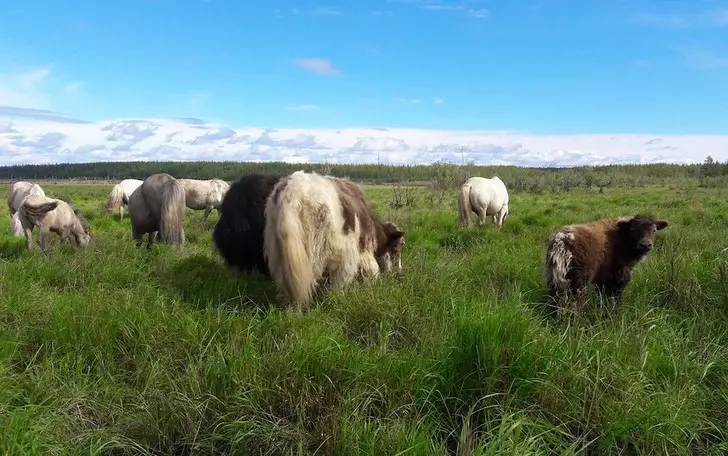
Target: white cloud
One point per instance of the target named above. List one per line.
(25, 89)
(43, 138)
(408, 100)
(694, 19)
(321, 67)
(437, 100)
(73, 88)
(199, 98)
(703, 58)
(306, 107)
(468, 7)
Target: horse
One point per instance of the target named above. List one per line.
(484, 197)
(157, 207)
(238, 234)
(16, 195)
(320, 226)
(119, 196)
(204, 194)
(56, 215)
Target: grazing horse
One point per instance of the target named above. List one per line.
(157, 207)
(322, 226)
(16, 195)
(484, 197)
(50, 214)
(601, 253)
(119, 196)
(238, 234)
(204, 194)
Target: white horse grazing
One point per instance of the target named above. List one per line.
(484, 197)
(50, 214)
(204, 194)
(119, 196)
(18, 192)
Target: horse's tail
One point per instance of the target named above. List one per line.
(35, 213)
(285, 241)
(171, 226)
(16, 227)
(464, 207)
(116, 200)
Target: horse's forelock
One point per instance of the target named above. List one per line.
(81, 218)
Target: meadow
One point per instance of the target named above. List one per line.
(115, 350)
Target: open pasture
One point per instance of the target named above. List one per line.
(114, 350)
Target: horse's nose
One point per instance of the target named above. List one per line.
(646, 245)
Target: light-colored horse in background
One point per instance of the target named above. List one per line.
(484, 197)
(18, 192)
(119, 196)
(157, 207)
(50, 214)
(204, 194)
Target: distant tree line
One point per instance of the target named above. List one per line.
(439, 175)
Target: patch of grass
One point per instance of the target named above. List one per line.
(114, 350)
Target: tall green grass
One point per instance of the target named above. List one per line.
(115, 350)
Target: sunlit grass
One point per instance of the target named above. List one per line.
(116, 350)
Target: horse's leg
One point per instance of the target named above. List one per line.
(369, 267)
(208, 209)
(481, 216)
(43, 238)
(29, 237)
(65, 235)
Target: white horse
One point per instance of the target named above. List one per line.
(52, 215)
(17, 194)
(484, 197)
(204, 194)
(119, 196)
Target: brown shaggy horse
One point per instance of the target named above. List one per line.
(158, 207)
(323, 227)
(603, 253)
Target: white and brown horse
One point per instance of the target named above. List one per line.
(204, 194)
(321, 226)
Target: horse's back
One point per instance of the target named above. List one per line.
(129, 185)
(489, 192)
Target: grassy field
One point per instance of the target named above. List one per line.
(118, 351)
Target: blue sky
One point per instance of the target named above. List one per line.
(542, 66)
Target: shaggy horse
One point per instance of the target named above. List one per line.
(484, 197)
(238, 234)
(602, 253)
(50, 214)
(157, 207)
(16, 195)
(322, 226)
(204, 194)
(119, 196)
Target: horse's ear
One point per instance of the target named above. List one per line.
(661, 224)
(624, 223)
(395, 235)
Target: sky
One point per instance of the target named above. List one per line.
(528, 82)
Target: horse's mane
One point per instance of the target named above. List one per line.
(81, 218)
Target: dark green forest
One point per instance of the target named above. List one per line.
(708, 173)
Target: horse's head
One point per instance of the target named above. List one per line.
(84, 240)
(389, 254)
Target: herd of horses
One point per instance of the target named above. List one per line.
(310, 232)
